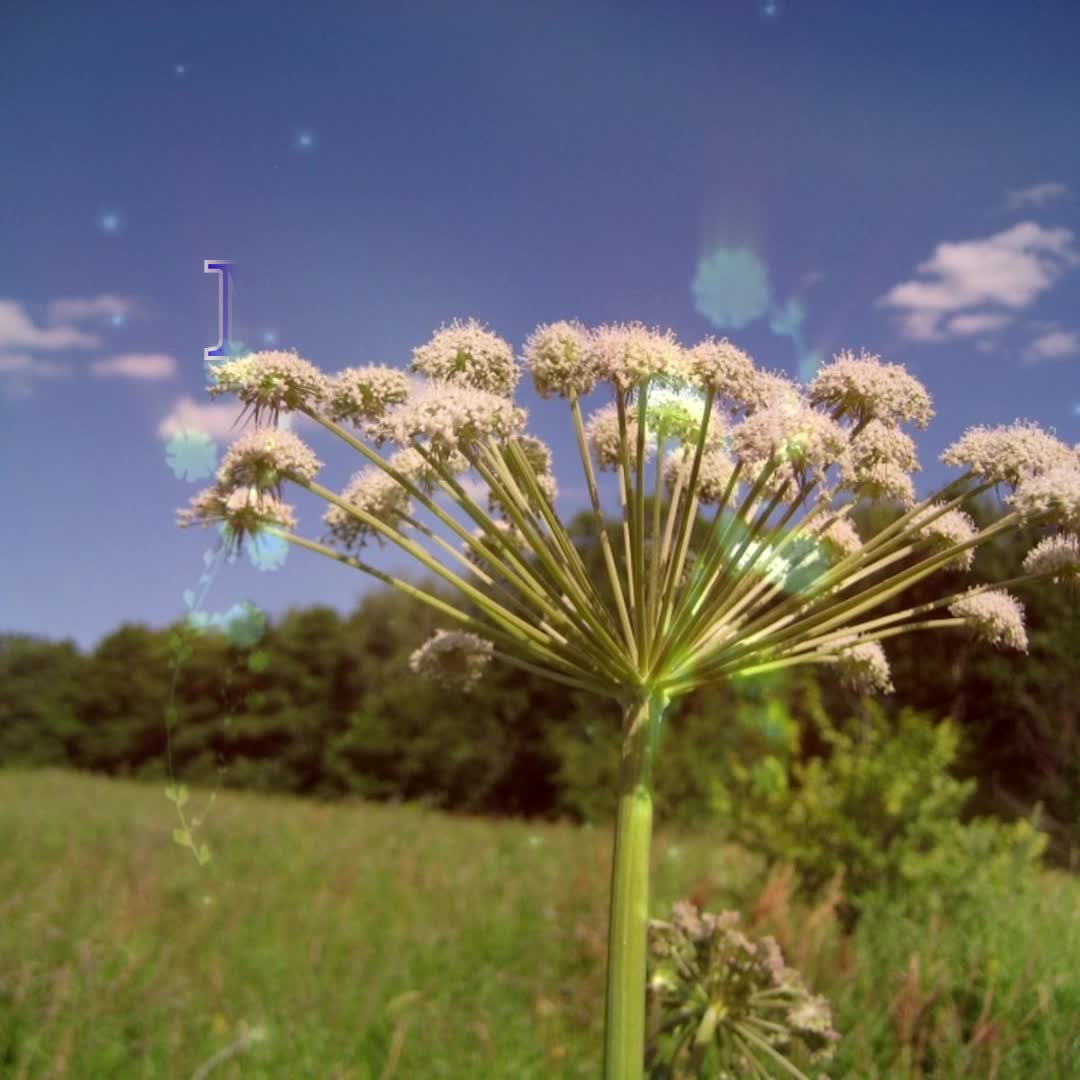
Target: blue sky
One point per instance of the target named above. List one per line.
(899, 178)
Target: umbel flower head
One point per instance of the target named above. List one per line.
(776, 578)
(734, 1002)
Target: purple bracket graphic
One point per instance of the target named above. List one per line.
(222, 267)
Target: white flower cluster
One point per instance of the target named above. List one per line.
(805, 441)
(561, 360)
(244, 511)
(270, 381)
(468, 355)
(714, 472)
(602, 431)
(453, 659)
(864, 667)
(625, 353)
(867, 389)
(840, 539)
(263, 456)
(538, 456)
(365, 393)
(1058, 555)
(1055, 492)
(995, 617)
(952, 528)
(451, 417)
(1009, 454)
(376, 493)
(727, 370)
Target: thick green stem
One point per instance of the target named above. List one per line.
(624, 1039)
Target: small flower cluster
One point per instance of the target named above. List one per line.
(1009, 454)
(451, 417)
(468, 355)
(713, 990)
(453, 659)
(365, 393)
(806, 441)
(863, 666)
(625, 353)
(1058, 555)
(840, 539)
(948, 529)
(714, 472)
(244, 511)
(270, 381)
(993, 616)
(602, 431)
(866, 389)
(376, 493)
(560, 360)
(264, 457)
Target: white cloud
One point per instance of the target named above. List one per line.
(1011, 268)
(76, 309)
(25, 364)
(218, 419)
(474, 487)
(1036, 195)
(1053, 345)
(976, 324)
(17, 329)
(137, 366)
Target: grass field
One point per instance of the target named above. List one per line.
(368, 942)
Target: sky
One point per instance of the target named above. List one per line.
(800, 176)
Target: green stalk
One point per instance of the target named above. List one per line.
(624, 1037)
(605, 543)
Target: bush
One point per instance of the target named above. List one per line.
(879, 805)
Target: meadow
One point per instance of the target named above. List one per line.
(363, 942)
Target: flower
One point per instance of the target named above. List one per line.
(678, 413)
(727, 370)
(1058, 555)
(714, 472)
(560, 360)
(840, 539)
(376, 493)
(467, 355)
(1054, 493)
(265, 457)
(882, 480)
(882, 442)
(244, 511)
(626, 353)
(863, 667)
(451, 417)
(708, 982)
(453, 659)
(270, 381)
(1009, 453)
(365, 393)
(804, 438)
(867, 389)
(951, 528)
(993, 616)
(602, 431)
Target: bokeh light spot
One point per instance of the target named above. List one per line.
(191, 455)
(731, 287)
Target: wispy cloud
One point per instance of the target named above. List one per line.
(136, 366)
(1012, 269)
(1036, 195)
(218, 419)
(976, 324)
(25, 364)
(17, 330)
(1053, 345)
(76, 309)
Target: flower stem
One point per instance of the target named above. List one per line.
(624, 1041)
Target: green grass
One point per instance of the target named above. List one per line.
(377, 942)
